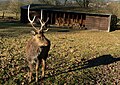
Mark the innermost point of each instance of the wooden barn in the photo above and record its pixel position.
(61, 16)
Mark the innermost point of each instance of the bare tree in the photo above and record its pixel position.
(52, 2)
(83, 3)
(65, 2)
(114, 8)
(14, 6)
(3, 7)
(29, 1)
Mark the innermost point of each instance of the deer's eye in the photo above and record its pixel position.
(39, 36)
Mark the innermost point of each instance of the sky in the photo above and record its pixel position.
(106, 0)
(115, 0)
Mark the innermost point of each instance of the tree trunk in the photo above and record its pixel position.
(65, 2)
(87, 3)
(16, 15)
(3, 15)
(84, 3)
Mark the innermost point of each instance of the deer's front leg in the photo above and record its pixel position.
(30, 72)
(43, 68)
(37, 64)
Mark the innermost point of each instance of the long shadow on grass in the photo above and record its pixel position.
(101, 60)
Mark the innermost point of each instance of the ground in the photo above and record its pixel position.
(76, 57)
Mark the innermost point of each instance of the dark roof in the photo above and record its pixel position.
(59, 8)
(40, 6)
(49, 7)
(37, 6)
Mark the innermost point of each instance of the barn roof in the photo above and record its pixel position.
(60, 8)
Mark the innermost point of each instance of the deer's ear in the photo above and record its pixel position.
(33, 32)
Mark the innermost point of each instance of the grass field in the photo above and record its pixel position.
(76, 57)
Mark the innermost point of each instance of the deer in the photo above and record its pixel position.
(37, 48)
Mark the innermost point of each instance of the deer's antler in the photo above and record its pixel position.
(41, 21)
(43, 24)
(31, 21)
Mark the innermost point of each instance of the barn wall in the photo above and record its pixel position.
(97, 22)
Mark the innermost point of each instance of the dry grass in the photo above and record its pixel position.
(76, 57)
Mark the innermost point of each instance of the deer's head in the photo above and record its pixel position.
(38, 33)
